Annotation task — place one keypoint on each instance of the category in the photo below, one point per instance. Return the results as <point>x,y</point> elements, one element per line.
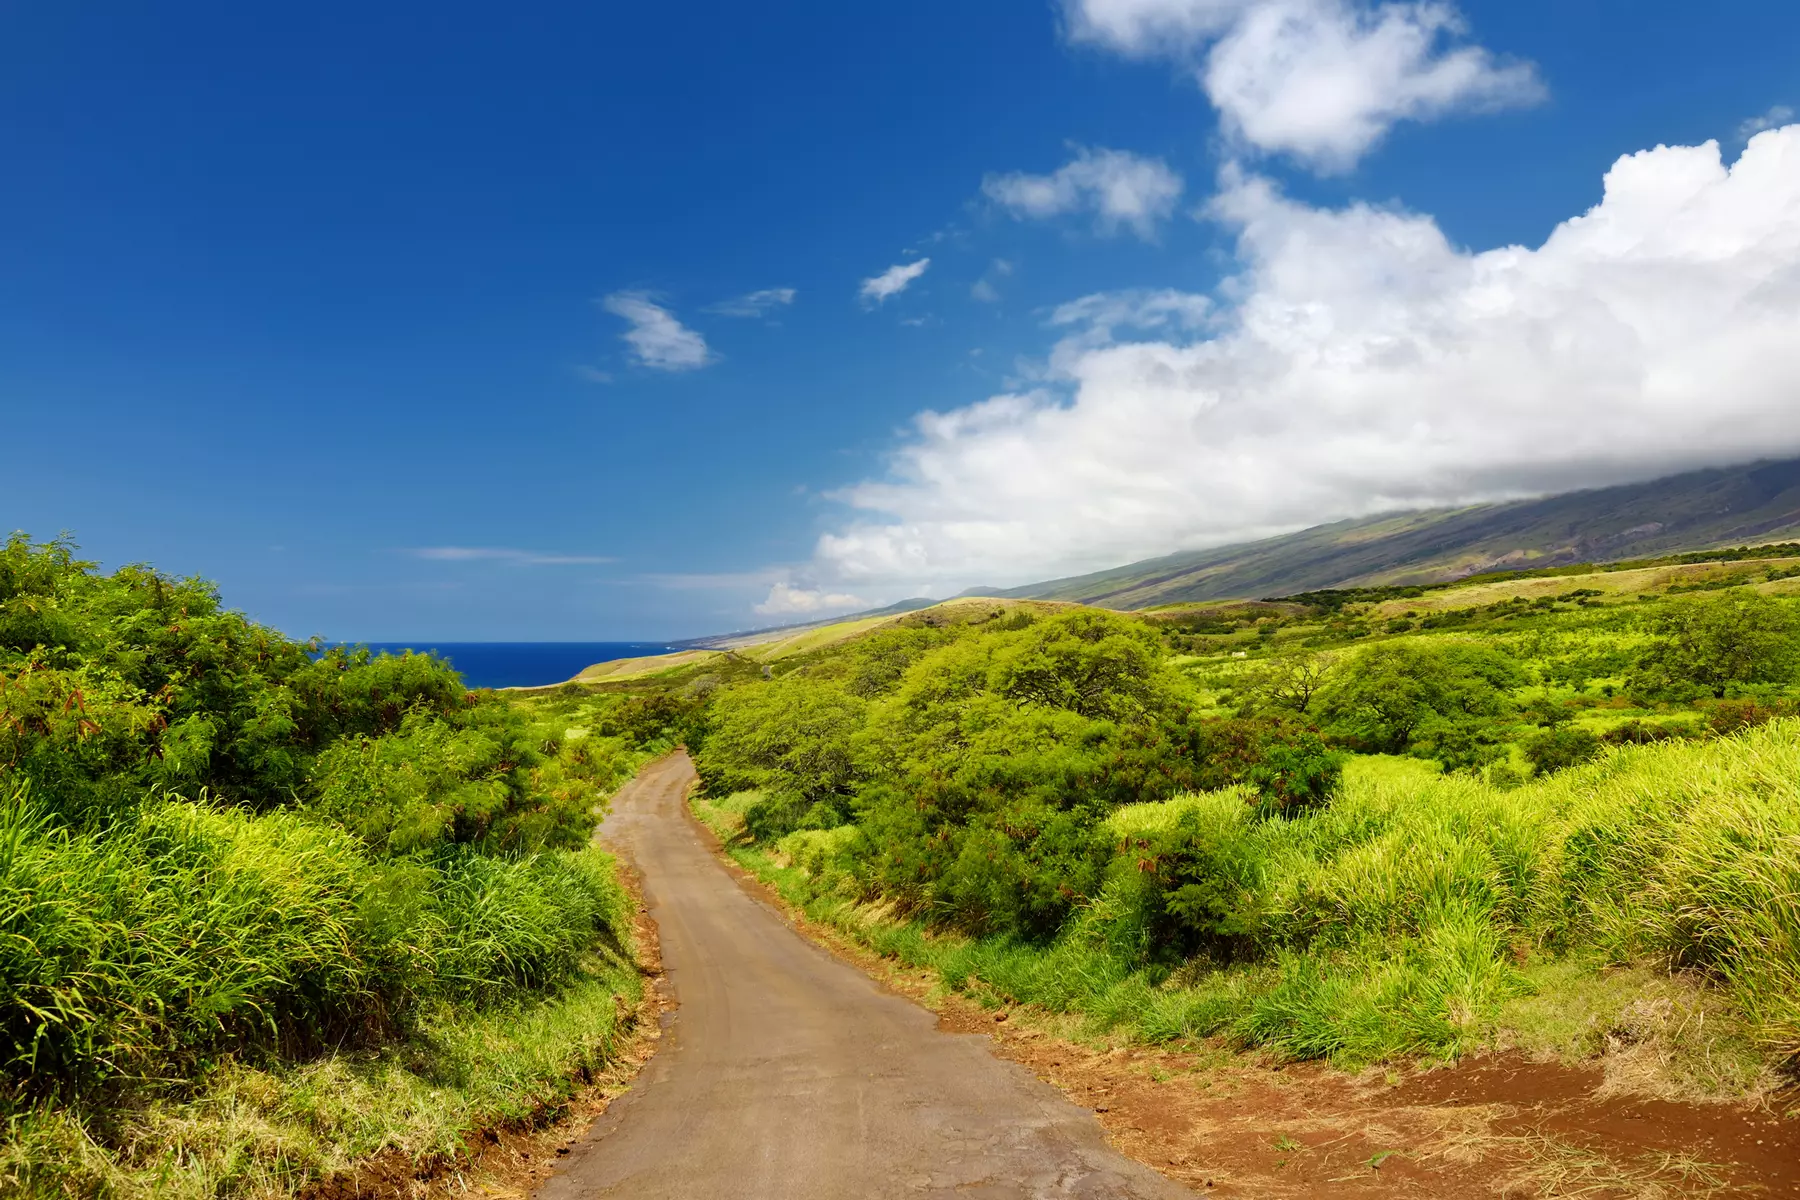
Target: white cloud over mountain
<point>786,600</point>
<point>1121,189</point>
<point>1320,80</point>
<point>657,339</point>
<point>1359,361</point>
<point>878,289</point>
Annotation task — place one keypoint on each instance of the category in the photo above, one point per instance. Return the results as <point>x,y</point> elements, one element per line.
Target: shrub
<point>1560,748</point>
<point>1288,765</point>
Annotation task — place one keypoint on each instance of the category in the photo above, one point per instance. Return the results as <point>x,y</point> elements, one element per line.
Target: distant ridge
<point>1698,510</point>
<point>752,637</point>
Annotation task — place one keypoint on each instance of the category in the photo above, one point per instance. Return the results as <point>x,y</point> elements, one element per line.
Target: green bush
<point>1560,748</point>
<point>1288,765</point>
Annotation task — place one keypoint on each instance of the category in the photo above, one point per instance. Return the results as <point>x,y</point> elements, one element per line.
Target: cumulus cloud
<point>1359,362</point>
<point>527,558</point>
<point>656,338</point>
<point>891,282</point>
<point>1121,189</point>
<point>787,600</point>
<point>755,304</point>
<point>1320,80</point>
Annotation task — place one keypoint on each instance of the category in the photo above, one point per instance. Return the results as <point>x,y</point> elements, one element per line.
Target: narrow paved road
<point>789,1075</point>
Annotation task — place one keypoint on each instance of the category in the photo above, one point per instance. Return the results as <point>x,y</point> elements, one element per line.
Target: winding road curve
<point>789,1075</point>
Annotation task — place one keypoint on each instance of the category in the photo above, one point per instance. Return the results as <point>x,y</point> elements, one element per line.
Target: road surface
<point>790,1075</point>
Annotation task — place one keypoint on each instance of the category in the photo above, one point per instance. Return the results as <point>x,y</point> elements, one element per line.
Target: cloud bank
<point>891,282</point>
<point>1319,80</point>
<point>656,338</point>
<point>1121,189</point>
<point>1358,362</point>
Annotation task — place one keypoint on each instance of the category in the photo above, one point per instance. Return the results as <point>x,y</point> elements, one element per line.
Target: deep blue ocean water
<point>522,664</point>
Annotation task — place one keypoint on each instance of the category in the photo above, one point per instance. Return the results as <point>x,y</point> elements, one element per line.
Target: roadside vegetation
<point>267,909</point>
<point>1358,825</point>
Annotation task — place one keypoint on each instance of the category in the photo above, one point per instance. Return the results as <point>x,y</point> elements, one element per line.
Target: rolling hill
<point>1698,510</point>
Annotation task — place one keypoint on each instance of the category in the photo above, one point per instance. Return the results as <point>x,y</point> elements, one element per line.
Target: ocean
<point>522,664</point>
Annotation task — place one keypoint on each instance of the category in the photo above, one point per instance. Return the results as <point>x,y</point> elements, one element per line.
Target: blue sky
<point>328,306</point>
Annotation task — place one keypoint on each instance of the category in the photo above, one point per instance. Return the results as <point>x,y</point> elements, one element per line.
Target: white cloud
<point>983,289</point>
<point>529,558</point>
<point>754,304</point>
<point>1149,27</point>
<point>1775,118</point>
<point>1361,362</point>
<point>1321,80</point>
<point>1121,189</point>
<point>1104,312</point>
<point>592,374</point>
<point>787,600</point>
<point>891,282</point>
<point>656,338</point>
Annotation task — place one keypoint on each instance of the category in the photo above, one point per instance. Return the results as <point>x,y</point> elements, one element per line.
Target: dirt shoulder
<point>1235,1124</point>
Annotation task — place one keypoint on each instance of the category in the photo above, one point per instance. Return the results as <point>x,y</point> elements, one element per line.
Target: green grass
<point>247,1130</point>
<point>1427,915</point>
<point>206,1002</point>
<point>135,954</point>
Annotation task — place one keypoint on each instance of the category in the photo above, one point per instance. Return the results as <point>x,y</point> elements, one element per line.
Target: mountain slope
<point>1699,510</point>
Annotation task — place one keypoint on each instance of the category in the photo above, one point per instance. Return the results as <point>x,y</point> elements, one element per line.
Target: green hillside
<point>1699,510</point>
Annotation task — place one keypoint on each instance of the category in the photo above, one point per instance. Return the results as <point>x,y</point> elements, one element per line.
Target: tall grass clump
<point>132,955</point>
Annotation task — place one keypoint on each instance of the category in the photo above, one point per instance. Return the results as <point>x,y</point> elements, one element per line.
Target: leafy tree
<point>1711,643</point>
<point>113,686</point>
<point>1290,681</point>
<point>1396,693</point>
<point>796,737</point>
